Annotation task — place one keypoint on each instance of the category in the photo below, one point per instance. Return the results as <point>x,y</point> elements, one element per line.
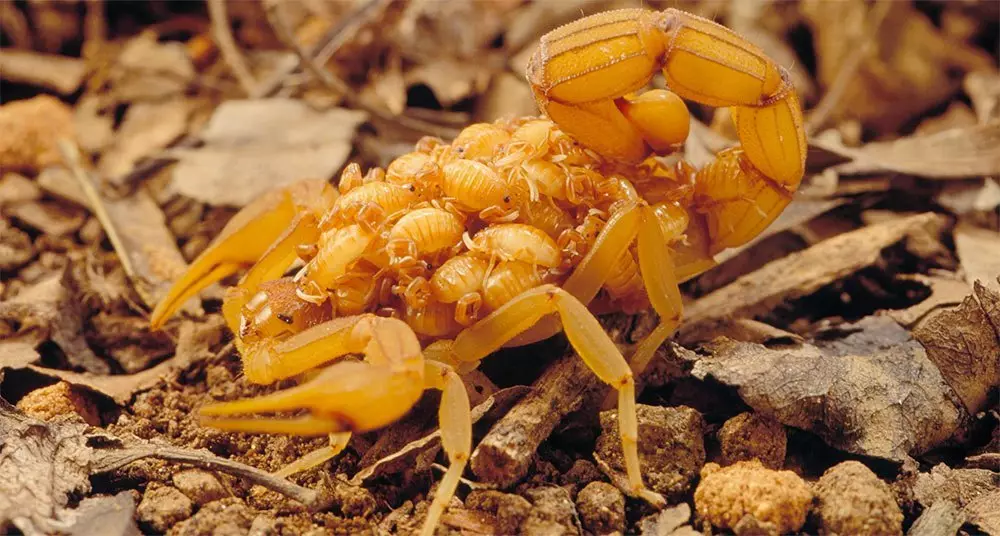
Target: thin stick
<point>826,105</point>
<point>109,461</point>
<point>223,35</point>
<point>276,18</point>
<point>71,157</point>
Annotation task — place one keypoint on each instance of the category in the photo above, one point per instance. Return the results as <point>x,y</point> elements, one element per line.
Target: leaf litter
<point>865,320</point>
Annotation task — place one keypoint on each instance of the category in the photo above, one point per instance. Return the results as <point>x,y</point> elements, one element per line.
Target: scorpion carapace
<point>505,236</point>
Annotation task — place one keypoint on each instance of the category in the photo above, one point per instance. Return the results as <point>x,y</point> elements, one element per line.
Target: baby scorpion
<point>462,264</point>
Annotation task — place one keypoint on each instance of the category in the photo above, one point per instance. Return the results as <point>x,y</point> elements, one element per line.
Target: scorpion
<point>512,232</point>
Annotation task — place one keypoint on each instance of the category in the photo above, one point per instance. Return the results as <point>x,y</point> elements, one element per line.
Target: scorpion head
<point>276,311</point>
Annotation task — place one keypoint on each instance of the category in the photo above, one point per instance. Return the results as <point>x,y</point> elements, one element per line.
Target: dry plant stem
<point>71,157</point>
<point>351,97</point>
<point>326,48</point>
<point>111,461</point>
<point>821,112</point>
<point>223,35</point>
<point>504,456</point>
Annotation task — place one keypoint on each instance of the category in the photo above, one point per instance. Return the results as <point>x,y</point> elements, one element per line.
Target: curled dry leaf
<point>253,146</point>
<point>964,345</point>
<point>872,391</point>
<point>805,272</point>
<point>974,493</point>
<point>956,153</point>
<point>50,310</point>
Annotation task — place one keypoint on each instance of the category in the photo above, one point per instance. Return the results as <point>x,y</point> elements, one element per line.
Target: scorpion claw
<point>248,237</point>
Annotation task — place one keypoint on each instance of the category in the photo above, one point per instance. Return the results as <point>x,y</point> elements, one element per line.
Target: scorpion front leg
<point>264,234</point>
<point>583,73</point>
<point>358,396</point>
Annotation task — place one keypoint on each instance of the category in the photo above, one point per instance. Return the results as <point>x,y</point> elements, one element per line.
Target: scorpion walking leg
<point>455,420</point>
<point>587,338</point>
<point>269,227</point>
<point>657,268</point>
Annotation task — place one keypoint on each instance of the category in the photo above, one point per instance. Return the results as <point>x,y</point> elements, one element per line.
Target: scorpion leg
<point>588,339</point>
<point>455,421</point>
<point>338,442</point>
<point>248,236</point>
<point>346,396</point>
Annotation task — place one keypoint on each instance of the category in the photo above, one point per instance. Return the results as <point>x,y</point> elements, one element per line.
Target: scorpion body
<point>505,236</point>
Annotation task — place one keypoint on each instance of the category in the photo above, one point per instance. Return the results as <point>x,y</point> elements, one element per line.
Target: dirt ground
<point>839,374</point>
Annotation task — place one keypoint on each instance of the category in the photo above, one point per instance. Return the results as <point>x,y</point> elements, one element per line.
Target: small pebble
<point>163,507</point>
<point>852,500</point>
<point>58,399</point>
<point>200,486</point>
<point>602,508</point>
<point>726,495</point>
<point>749,436</point>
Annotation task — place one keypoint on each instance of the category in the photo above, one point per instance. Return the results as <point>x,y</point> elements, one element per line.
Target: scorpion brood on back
<point>506,235</point>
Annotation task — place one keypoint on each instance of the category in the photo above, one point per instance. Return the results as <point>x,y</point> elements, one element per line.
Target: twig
<point>829,102</point>
<point>325,48</point>
<point>227,46</point>
<point>351,97</point>
<point>109,461</point>
<point>71,157</point>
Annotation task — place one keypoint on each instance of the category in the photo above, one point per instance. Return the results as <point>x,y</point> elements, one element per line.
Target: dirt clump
<point>852,500</point>
<point>671,447</point>
<point>29,130</point>
<point>58,399</point>
<point>224,517</point>
<point>509,510</point>
<point>552,512</point>
<point>602,508</point>
<point>200,486</point>
<point>749,436</point>
<point>778,499</point>
<point>163,507</point>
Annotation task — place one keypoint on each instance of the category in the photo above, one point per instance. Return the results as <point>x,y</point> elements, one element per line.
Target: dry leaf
<point>16,248</point>
<point>983,88</point>
<point>253,146</point>
<point>194,344</point>
<point>50,218</point>
<point>984,512</point>
<point>946,289</point>
<point>59,182</point>
<point>964,345</point>
<point>952,154</point>
<point>800,274</point>
<point>871,391</point>
<point>670,521</point>
<point>149,70</point>
<point>147,128</point>
<point>50,310</point>
<point>16,188</point>
<point>450,80</point>
<point>957,486</point>
<point>979,254</point>
<point>970,197</point>
<point>61,74</point>
<point>138,232</point>
<point>41,468</point>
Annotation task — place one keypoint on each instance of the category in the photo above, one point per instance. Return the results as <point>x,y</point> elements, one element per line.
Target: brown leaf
<point>16,248</point>
<point>16,188</point>
<point>979,254</point>
<point>957,153</point>
<point>195,341</point>
<point>41,467</point>
<point>59,73</point>
<point>984,511</point>
<point>983,88</point>
<point>871,391</point>
<point>956,486</point>
<point>147,128</point>
<point>50,218</point>
<point>945,290</point>
<point>450,80</point>
<point>59,182</point>
<point>149,70</point>
<point>252,146</point>
<point>137,230</point>
<point>49,310</point>
<point>805,272</point>
<point>964,345</point>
